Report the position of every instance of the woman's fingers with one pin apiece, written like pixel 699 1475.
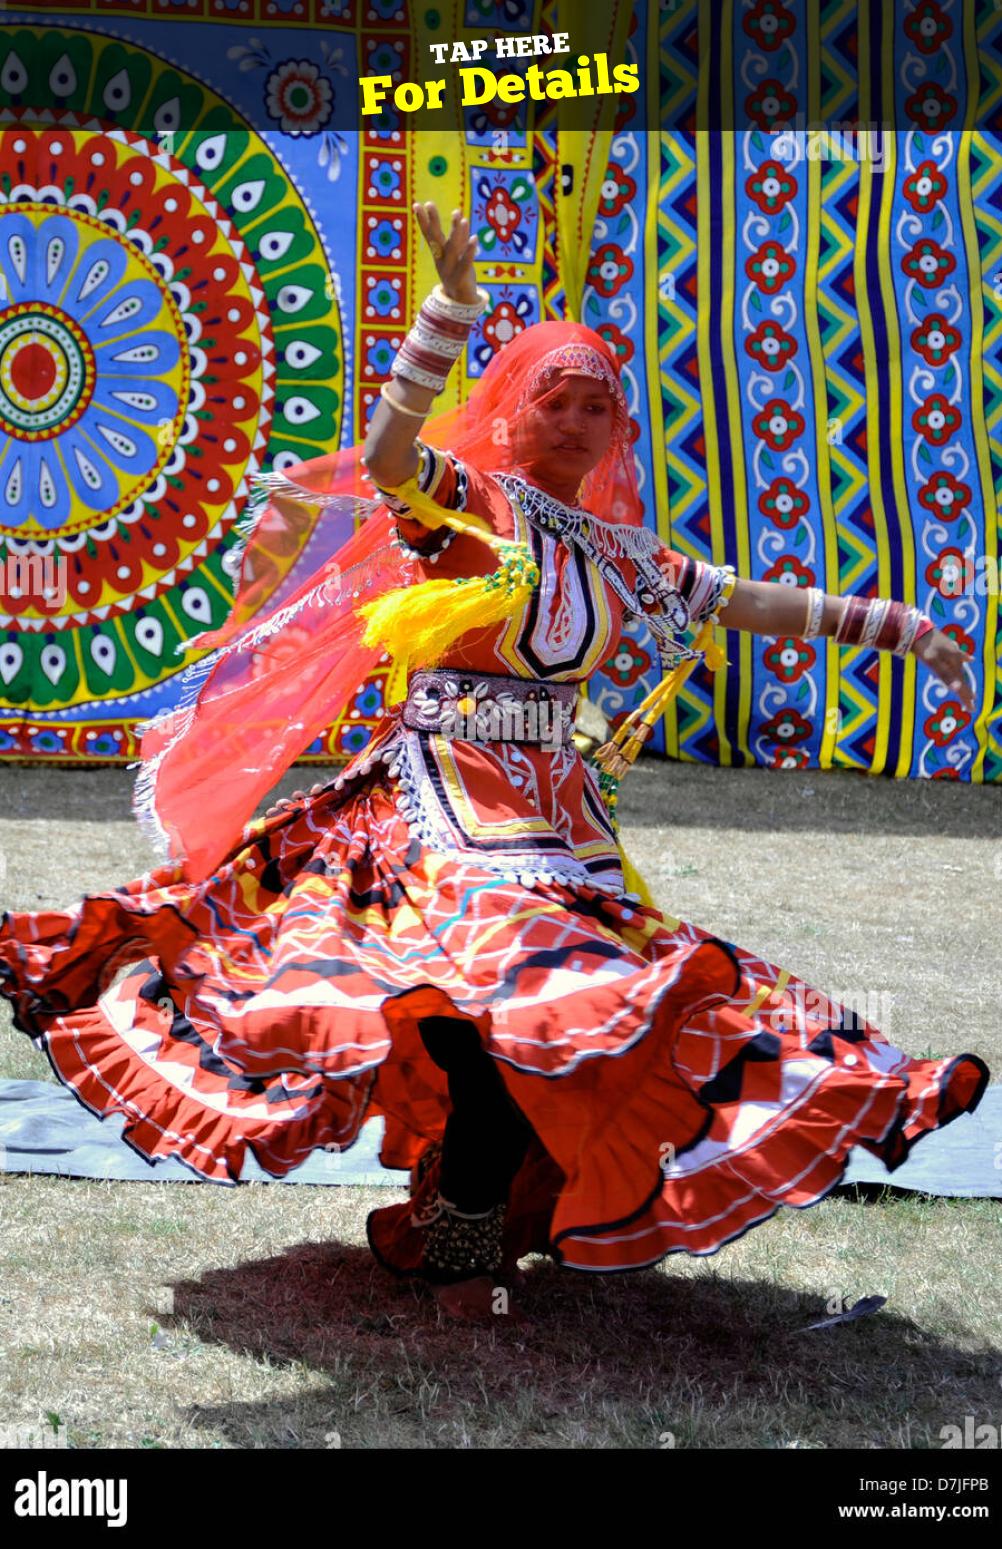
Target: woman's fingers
pixel 963 691
pixel 953 674
pixel 435 224
pixel 458 238
pixel 458 249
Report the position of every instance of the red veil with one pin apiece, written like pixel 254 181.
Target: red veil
pixel 290 657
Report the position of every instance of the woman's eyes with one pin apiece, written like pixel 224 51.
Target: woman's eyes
pixel 556 404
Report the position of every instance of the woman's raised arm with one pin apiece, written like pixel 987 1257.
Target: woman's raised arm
pixel 429 350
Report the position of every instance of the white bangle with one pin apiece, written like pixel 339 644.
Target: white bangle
pixel 417 375
pixel 458 311
pixel 815 612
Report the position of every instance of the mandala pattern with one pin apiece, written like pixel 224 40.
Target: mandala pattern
pixel 166 330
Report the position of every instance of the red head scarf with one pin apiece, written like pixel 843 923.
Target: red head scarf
pixel 289 658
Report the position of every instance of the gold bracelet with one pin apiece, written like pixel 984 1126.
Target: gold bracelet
pixel 401 408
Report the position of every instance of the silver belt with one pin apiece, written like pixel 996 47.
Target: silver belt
pixel 489 707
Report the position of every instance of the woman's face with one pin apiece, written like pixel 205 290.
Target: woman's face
pixel 567 433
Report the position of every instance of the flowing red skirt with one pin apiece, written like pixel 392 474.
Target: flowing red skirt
pixel 680 1088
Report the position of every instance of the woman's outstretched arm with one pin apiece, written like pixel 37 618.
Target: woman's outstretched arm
pixel 774 608
pixel 390 454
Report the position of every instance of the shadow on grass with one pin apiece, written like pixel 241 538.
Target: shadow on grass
pixel 647 1359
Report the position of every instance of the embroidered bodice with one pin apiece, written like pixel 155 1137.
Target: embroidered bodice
pixel 593 575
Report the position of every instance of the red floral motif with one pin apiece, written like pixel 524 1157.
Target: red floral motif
pixel 501 115
pixel 930 107
pixel 937 419
pixel 502 325
pixel 790 758
pixel 783 503
pixel 609 269
pixel 619 344
pixel 949 572
pixel 946 774
pixel 928 263
pixel 789 659
pixel 786 726
pixel 628 665
pixel 770 268
pixel 946 722
pixel 925 187
pixel 771 346
pixel 778 425
pixel 502 213
pixel 771 187
pixel 945 496
pixel 770 24
pixel 771 106
pixel 962 641
pixel 789 571
pixel 617 191
pixel 935 340
pixel 927 27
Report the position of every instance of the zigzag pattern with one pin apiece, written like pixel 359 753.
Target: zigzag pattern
pixel 988 23
pixel 545 162
pixel 685 440
pixel 986 188
pixel 839 66
pixel 843 350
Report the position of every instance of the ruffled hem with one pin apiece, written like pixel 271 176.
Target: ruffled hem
pixel 191 1107
pixel 732 1198
pixel 793 1167
pixel 277 1006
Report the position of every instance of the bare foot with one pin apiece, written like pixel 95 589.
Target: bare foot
pixel 478 1300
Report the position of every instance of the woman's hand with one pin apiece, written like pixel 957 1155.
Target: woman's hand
pixel 457 251
pixel 290 801
pixel 948 662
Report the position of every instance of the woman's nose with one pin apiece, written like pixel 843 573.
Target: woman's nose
pixel 572 420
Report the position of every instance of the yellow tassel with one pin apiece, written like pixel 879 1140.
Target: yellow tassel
pixel 715 656
pixel 609 759
pixel 634 881
pixel 616 756
pixel 396 684
pixel 419 623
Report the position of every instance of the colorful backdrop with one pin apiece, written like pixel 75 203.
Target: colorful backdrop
pixel 203 275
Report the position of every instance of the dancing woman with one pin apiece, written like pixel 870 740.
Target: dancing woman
pixel 448 934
